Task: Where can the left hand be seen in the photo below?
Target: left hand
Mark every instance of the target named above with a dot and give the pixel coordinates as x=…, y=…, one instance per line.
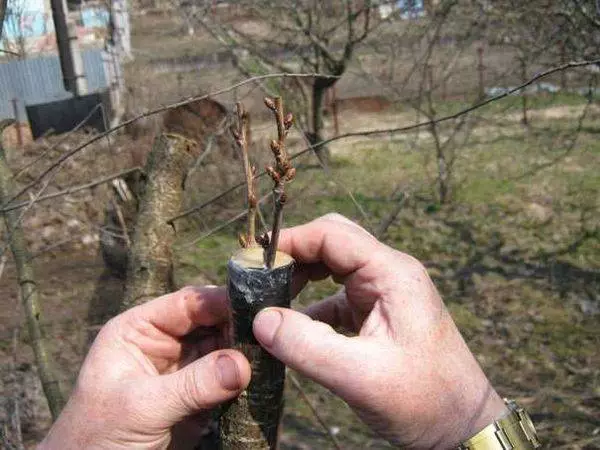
x=149, y=369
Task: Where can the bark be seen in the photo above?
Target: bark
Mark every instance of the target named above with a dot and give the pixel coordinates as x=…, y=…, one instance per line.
x=251, y=422
x=28, y=291
x=319, y=90
x=150, y=265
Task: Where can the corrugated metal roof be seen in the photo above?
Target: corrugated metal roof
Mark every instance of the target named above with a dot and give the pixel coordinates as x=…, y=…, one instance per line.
x=39, y=80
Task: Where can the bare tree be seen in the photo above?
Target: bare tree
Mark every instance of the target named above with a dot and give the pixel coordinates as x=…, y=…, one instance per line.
x=320, y=37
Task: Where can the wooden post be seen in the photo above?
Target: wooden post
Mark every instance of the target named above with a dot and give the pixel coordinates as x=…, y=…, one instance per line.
x=334, y=110
x=251, y=422
x=15, y=105
x=563, y=60
x=480, y=72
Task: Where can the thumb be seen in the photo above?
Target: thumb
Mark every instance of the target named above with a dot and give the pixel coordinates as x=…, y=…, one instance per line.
x=202, y=385
x=317, y=351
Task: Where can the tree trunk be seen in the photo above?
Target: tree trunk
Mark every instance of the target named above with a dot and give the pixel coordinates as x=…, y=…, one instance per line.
x=28, y=288
x=150, y=265
x=251, y=422
x=319, y=90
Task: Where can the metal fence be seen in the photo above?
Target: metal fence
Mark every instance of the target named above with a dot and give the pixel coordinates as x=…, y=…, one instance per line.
x=39, y=80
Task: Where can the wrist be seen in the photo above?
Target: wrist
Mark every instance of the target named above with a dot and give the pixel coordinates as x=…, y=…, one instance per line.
x=493, y=409
x=515, y=430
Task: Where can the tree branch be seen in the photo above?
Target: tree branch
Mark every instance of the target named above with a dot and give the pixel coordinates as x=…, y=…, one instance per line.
x=395, y=130
x=28, y=291
x=187, y=101
x=241, y=137
x=72, y=189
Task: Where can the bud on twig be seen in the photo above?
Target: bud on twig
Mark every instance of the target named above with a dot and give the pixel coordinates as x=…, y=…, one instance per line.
x=288, y=121
x=270, y=103
x=274, y=146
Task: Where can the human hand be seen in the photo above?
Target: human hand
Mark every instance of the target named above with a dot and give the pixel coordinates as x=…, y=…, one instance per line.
x=407, y=373
x=149, y=369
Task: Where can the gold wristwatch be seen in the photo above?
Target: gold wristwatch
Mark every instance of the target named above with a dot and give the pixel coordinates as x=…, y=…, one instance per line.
x=513, y=431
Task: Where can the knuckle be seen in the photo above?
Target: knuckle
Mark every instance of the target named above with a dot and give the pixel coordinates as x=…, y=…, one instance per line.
x=192, y=390
x=335, y=217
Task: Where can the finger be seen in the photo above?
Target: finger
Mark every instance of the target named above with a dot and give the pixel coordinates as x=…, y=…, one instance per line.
x=202, y=385
x=308, y=272
x=344, y=247
x=178, y=313
x=333, y=311
x=315, y=350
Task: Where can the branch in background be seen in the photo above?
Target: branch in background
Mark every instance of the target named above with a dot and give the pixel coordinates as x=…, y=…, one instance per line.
x=336, y=180
x=187, y=101
x=395, y=130
x=55, y=146
x=150, y=267
x=241, y=138
x=544, y=74
x=28, y=290
x=72, y=189
x=321, y=421
x=388, y=220
x=282, y=173
x=225, y=224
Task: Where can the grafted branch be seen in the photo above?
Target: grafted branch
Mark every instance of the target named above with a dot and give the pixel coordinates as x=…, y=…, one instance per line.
x=282, y=173
x=241, y=134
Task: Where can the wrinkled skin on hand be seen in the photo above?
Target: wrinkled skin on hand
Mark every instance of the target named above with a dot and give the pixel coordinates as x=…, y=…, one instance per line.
x=150, y=368
x=407, y=371
x=155, y=371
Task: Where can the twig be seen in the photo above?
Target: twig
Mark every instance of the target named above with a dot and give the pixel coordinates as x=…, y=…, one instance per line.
x=9, y=52
x=280, y=174
x=402, y=129
x=241, y=138
x=336, y=180
x=121, y=220
x=225, y=224
x=72, y=189
x=54, y=146
x=300, y=389
x=210, y=140
x=156, y=111
x=389, y=219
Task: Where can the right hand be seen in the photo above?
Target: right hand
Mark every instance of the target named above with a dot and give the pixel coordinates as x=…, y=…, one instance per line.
x=407, y=373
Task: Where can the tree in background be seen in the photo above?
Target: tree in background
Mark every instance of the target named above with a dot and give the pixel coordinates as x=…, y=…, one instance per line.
x=296, y=36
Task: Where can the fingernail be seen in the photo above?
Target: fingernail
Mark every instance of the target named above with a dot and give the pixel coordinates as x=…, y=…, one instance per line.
x=266, y=324
x=228, y=374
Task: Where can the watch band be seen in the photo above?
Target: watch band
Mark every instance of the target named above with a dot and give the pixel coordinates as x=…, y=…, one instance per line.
x=515, y=431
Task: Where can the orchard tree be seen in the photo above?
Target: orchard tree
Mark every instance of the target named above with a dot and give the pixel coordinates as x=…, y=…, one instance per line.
x=296, y=36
